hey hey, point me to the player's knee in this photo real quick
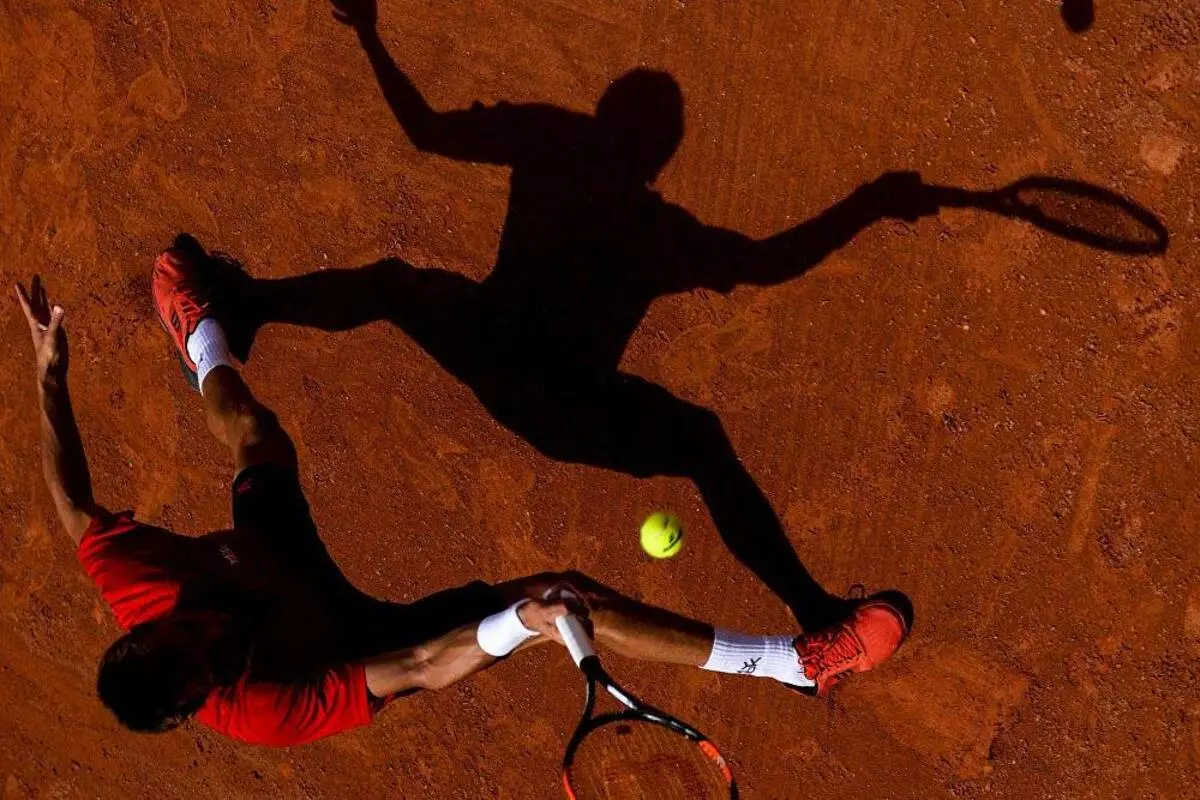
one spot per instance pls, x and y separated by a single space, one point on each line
432 679
425 672
594 593
537 586
254 425
575 578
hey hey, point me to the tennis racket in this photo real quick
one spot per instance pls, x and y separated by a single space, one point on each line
1072 209
637 752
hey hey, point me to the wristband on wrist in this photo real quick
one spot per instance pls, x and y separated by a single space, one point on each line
499 634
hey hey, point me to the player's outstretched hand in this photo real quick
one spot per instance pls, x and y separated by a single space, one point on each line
902 195
45 328
361 14
540 614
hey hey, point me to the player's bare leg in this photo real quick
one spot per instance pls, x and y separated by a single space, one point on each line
622 624
181 297
649 633
249 429
811 662
627 626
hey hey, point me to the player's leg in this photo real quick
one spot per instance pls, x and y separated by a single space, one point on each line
650 633
809 662
437 660
181 290
268 500
249 429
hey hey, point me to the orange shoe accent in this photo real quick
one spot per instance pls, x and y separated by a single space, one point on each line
864 641
180 300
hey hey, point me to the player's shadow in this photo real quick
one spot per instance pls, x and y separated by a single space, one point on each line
1079 15
587 246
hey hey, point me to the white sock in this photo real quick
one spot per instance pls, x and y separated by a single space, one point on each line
761 656
208 348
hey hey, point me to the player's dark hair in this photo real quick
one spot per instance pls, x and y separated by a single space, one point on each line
150 688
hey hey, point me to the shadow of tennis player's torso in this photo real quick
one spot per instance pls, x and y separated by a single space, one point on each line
586 248
582 256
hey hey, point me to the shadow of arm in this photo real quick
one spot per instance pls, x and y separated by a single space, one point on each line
466 135
719 259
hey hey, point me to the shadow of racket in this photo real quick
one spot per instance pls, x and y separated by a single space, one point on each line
1071 209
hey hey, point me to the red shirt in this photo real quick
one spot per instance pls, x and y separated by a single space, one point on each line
142 571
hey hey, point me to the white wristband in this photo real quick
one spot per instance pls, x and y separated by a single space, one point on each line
499 634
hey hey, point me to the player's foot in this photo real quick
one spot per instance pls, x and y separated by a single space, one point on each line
230 290
182 301
862 642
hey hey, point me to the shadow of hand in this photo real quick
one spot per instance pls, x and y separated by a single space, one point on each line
361 14
901 195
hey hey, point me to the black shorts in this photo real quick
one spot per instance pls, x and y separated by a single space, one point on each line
268 501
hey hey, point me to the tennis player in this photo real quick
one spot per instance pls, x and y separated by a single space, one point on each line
254 631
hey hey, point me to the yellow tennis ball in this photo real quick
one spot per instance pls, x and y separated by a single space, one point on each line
662 535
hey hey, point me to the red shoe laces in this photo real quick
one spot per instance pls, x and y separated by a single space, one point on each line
188 303
829 650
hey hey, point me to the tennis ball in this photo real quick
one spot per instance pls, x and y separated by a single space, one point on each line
662 535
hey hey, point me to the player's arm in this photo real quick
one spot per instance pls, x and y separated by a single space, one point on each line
463 135
64 463
289 713
453 656
721 259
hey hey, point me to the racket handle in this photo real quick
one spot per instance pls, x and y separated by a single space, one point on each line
954 197
579 644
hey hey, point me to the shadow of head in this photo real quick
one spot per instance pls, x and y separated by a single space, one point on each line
640 115
1078 14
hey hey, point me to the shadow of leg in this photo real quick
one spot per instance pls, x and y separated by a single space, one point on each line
630 425
752 532
438 309
341 299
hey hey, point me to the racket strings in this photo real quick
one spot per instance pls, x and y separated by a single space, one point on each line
1105 220
638 760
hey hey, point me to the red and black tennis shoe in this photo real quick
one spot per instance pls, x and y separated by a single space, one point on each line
862 642
181 300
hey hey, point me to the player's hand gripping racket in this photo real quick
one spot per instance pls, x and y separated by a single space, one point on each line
1072 209
637 752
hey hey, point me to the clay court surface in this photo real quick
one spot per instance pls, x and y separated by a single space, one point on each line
997 421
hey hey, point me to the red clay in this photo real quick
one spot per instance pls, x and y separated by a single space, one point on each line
997 421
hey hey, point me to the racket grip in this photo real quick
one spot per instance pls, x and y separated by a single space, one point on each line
579 644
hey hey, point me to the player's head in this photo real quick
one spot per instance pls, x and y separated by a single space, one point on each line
161 672
641 113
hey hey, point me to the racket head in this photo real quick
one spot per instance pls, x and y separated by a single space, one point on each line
639 755
1083 213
